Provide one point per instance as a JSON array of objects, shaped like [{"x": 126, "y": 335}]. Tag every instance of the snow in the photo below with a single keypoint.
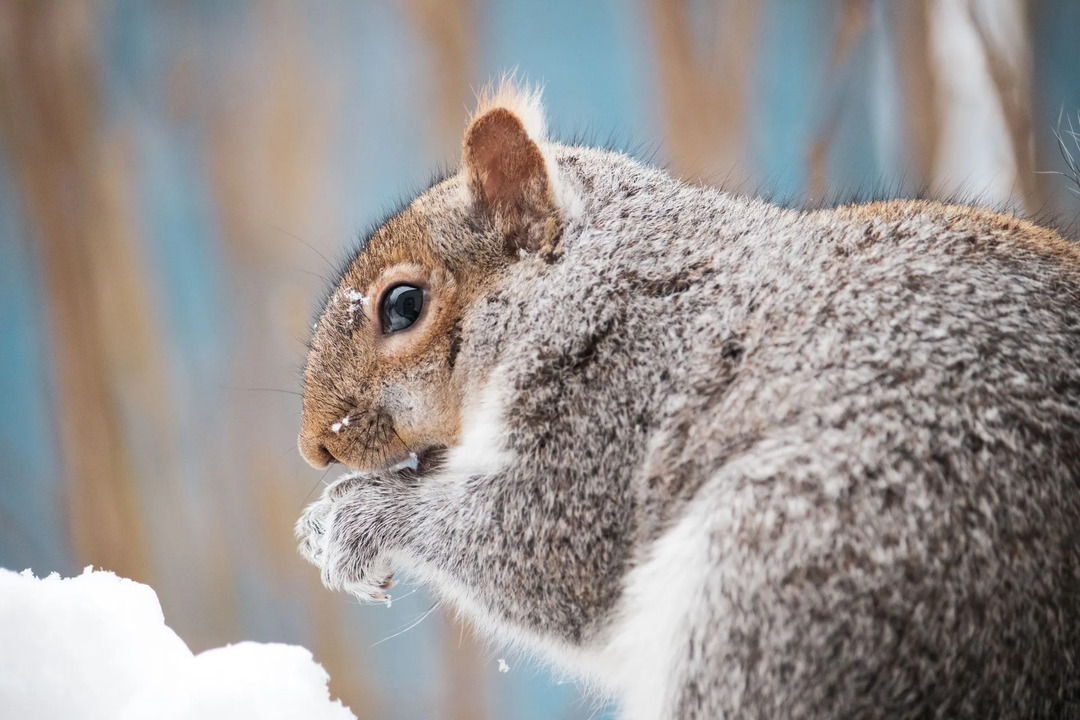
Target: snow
[
  {"x": 412, "y": 462},
  {"x": 503, "y": 667},
  {"x": 353, "y": 296},
  {"x": 97, "y": 646},
  {"x": 355, "y": 299},
  {"x": 250, "y": 680}
]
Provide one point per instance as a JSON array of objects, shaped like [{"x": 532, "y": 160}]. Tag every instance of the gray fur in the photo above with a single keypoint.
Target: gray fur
[{"x": 883, "y": 416}]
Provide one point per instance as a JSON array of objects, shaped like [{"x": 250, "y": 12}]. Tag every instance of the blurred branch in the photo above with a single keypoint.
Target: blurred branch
[
  {"x": 49, "y": 121},
  {"x": 465, "y": 671}
]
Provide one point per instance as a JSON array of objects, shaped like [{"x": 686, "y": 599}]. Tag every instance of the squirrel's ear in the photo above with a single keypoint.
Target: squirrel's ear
[{"x": 509, "y": 177}]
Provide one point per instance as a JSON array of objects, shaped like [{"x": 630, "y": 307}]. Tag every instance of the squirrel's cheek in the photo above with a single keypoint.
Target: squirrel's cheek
[
  {"x": 423, "y": 407},
  {"x": 404, "y": 404}
]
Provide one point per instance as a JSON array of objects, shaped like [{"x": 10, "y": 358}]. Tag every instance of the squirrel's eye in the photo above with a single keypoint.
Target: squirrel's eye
[{"x": 401, "y": 306}]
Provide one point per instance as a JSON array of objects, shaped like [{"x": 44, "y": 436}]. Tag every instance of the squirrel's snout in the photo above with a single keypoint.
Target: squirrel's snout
[
  {"x": 317, "y": 440},
  {"x": 361, "y": 439},
  {"x": 314, "y": 452}
]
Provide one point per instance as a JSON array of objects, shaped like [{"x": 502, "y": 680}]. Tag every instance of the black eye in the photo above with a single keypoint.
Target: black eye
[{"x": 401, "y": 306}]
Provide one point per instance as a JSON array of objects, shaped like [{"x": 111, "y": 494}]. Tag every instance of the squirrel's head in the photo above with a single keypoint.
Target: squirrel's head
[{"x": 382, "y": 378}]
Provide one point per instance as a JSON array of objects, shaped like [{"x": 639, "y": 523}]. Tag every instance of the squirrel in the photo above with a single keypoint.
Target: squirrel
[{"x": 719, "y": 458}]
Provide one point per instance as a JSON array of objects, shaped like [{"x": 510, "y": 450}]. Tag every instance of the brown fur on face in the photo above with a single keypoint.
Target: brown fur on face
[{"x": 371, "y": 398}]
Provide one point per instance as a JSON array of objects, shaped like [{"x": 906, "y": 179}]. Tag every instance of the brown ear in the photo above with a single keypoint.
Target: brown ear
[{"x": 509, "y": 180}]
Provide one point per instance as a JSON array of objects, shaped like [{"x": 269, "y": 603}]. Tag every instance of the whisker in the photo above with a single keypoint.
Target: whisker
[
  {"x": 369, "y": 439},
  {"x": 393, "y": 429},
  {"x": 410, "y": 627},
  {"x": 313, "y": 248},
  {"x": 312, "y": 274},
  {"x": 321, "y": 478},
  {"x": 398, "y": 598},
  {"x": 262, "y": 389}
]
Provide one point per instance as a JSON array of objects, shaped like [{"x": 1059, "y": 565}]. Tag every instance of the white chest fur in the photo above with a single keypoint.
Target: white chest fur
[{"x": 647, "y": 642}]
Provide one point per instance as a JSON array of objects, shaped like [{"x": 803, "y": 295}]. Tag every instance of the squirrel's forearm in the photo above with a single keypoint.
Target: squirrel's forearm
[{"x": 513, "y": 550}]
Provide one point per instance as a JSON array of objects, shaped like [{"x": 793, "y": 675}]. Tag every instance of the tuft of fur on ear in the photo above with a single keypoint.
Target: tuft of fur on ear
[
  {"x": 513, "y": 181},
  {"x": 523, "y": 101}
]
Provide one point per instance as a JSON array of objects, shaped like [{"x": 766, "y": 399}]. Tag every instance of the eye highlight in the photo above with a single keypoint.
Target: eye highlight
[{"x": 401, "y": 306}]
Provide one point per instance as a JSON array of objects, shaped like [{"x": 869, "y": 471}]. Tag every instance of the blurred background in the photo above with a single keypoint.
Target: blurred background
[{"x": 177, "y": 179}]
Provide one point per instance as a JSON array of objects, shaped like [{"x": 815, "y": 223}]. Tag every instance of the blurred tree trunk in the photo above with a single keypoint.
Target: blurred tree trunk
[
  {"x": 1004, "y": 29},
  {"x": 851, "y": 26},
  {"x": 912, "y": 21},
  {"x": 981, "y": 66},
  {"x": 703, "y": 90},
  {"x": 447, "y": 27},
  {"x": 50, "y": 125}
]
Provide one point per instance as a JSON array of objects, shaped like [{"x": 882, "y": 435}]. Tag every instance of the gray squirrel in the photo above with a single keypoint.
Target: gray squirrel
[{"x": 719, "y": 458}]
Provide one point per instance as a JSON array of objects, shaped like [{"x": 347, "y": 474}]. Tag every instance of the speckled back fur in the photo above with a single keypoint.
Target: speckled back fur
[{"x": 858, "y": 428}]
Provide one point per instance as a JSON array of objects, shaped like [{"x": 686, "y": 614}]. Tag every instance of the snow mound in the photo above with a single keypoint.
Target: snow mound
[
  {"x": 97, "y": 646},
  {"x": 248, "y": 680}
]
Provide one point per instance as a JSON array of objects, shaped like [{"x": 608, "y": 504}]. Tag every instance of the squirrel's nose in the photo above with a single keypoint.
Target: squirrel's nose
[{"x": 314, "y": 451}]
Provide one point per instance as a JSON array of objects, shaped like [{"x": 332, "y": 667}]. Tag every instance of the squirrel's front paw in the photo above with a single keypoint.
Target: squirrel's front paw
[{"x": 344, "y": 534}]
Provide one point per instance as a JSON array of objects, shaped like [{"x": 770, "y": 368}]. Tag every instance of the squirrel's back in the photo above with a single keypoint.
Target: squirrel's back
[{"x": 872, "y": 416}]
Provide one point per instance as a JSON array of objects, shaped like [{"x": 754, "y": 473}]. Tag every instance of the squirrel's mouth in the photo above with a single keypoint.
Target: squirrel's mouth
[{"x": 419, "y": 462}]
